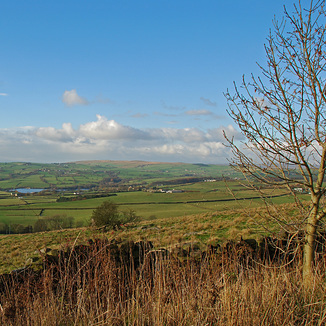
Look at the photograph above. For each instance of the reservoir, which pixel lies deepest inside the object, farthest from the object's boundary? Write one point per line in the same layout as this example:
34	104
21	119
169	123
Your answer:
27	190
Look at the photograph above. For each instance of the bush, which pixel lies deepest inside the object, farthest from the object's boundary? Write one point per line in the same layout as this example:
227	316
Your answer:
107	215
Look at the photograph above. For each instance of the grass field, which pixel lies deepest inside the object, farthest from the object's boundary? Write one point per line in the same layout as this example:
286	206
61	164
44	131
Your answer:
197	198
93	173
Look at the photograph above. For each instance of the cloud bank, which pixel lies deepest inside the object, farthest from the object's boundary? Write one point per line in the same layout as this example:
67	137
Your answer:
108	139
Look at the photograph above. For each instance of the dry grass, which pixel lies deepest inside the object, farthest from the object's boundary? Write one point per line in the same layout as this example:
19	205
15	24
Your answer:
213	291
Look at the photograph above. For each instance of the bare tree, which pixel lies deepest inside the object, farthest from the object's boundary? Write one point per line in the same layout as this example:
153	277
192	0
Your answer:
282	114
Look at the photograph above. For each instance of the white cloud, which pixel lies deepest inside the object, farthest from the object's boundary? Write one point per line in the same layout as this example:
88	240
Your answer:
109	129
172	134
71	98
230	132
65	134
3	94
108	139
199	112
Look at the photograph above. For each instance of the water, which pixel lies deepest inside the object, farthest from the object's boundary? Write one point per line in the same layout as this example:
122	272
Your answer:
32	190
27	190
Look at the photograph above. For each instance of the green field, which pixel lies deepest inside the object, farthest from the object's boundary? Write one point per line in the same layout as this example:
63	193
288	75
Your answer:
101	173
140	186
197	198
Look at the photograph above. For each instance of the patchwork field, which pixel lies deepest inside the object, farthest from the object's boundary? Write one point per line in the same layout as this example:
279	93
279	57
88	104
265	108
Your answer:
93	174
174	203
197	198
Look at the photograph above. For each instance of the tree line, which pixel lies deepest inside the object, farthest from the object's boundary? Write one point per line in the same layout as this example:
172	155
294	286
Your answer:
43	223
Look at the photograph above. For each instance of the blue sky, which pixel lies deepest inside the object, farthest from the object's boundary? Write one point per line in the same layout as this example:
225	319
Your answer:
129	80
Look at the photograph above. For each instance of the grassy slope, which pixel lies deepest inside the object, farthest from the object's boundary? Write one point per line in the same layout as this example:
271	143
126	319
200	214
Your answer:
214	227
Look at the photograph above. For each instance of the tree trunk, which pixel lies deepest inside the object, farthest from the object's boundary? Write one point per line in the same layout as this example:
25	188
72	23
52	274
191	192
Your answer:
309	252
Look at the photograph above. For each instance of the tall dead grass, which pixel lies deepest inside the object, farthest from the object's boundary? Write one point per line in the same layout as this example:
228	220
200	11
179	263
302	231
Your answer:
100	289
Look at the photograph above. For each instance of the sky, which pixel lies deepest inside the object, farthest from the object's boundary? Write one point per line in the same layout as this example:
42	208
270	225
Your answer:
127	79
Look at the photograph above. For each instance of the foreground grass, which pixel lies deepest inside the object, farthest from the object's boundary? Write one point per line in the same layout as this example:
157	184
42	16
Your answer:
165	292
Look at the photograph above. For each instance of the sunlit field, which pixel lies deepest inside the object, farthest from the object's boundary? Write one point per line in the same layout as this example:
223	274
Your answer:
197	198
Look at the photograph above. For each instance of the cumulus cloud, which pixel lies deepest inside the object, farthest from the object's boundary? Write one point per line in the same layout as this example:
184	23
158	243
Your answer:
108	139
208	101
230	132
109	129
65	134
71	98
186	135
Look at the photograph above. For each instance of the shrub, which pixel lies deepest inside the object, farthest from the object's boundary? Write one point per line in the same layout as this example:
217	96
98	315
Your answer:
107	215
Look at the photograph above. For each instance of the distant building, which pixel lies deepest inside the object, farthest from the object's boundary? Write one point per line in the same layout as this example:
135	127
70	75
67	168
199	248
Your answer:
300	190
297	189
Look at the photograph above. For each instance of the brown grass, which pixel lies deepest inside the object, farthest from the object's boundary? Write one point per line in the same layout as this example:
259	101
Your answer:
213	291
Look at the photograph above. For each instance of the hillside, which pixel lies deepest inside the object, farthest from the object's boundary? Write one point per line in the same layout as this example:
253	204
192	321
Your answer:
92	174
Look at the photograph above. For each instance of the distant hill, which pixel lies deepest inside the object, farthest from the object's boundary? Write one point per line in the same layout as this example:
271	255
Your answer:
89	174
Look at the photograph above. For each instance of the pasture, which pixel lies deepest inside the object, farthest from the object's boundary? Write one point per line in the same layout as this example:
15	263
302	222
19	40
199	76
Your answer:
196	198
94	174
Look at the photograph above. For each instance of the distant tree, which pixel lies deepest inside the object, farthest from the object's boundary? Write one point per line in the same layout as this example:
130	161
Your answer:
282	115
20	229
108	215
40	225
129	215
4	228
57	222
54	222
